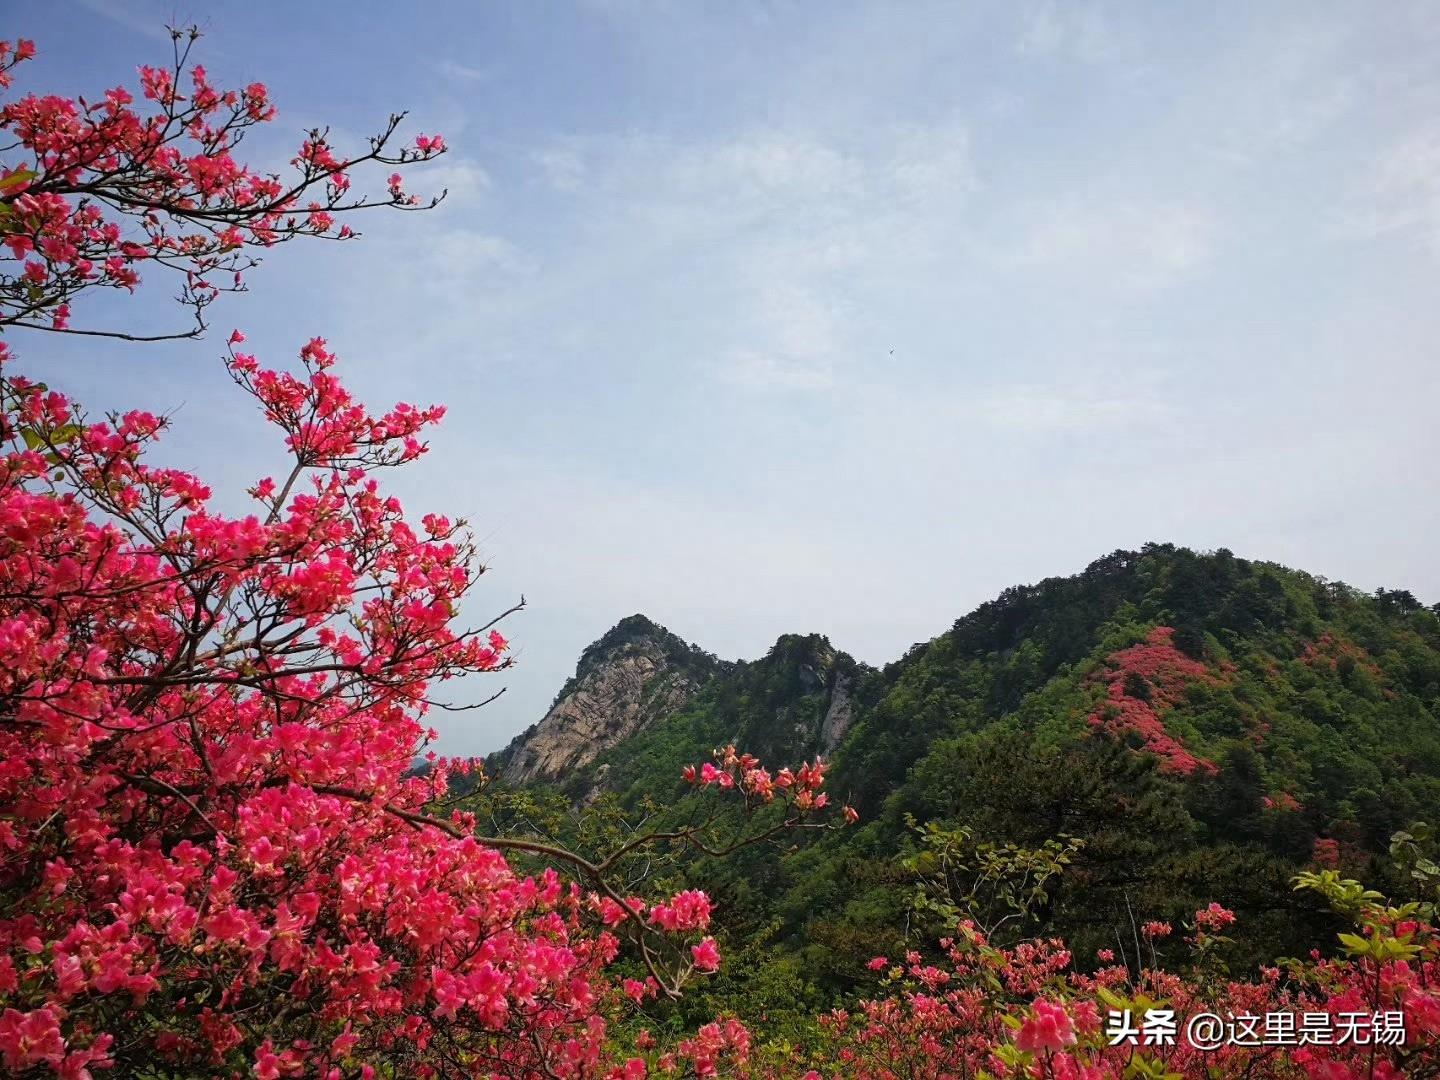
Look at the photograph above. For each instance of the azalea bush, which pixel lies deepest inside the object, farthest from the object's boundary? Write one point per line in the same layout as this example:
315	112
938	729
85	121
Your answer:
1030	1010
95	193
217	854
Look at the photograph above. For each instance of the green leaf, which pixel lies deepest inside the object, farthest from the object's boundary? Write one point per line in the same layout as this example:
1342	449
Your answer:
34	440
1355	944
1114	1000
18	177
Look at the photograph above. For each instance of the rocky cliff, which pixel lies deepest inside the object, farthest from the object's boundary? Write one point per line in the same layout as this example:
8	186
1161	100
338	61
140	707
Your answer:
798	701
636	674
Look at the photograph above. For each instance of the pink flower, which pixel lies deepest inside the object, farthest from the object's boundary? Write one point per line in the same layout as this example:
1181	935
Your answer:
706	955
1214	917
31	1038
1049	1027
1326	853
267	1062
689	910
709	774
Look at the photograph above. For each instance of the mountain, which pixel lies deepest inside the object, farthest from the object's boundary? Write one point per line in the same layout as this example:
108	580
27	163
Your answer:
637	674
1200	725
796	702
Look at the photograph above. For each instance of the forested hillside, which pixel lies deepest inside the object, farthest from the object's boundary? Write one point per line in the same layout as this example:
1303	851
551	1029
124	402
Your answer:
1165	729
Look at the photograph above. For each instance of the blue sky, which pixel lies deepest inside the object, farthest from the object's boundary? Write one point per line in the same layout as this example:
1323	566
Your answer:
842	317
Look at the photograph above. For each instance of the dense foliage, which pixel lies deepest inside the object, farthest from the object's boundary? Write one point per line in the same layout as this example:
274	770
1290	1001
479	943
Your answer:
1186	727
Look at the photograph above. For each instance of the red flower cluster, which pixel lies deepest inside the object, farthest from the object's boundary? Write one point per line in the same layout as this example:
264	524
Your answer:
800	788
206	802
1214	918
94	191
1327	652
1048	1028
210	830
1282	800
1022	1013
1165	672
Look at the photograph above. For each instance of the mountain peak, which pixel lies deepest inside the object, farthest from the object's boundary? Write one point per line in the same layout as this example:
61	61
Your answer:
627	631
638	633
633	674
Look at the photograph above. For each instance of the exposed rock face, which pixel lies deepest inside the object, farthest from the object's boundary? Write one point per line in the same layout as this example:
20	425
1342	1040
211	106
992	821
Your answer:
838	717
636	674
797	701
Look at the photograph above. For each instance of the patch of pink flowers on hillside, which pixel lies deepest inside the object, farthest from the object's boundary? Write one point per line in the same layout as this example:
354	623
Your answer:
1166	672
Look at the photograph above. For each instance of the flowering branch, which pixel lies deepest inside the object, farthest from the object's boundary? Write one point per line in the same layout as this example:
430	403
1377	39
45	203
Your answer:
92	192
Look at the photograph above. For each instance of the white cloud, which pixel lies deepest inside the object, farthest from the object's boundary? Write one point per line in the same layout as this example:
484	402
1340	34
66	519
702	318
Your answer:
462	254
1272	97
563	166
1070	30
460	72
464	180
1402	192
148	20
933	164
1140	245
748	367
767	165
1059	409
783	232
798	340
